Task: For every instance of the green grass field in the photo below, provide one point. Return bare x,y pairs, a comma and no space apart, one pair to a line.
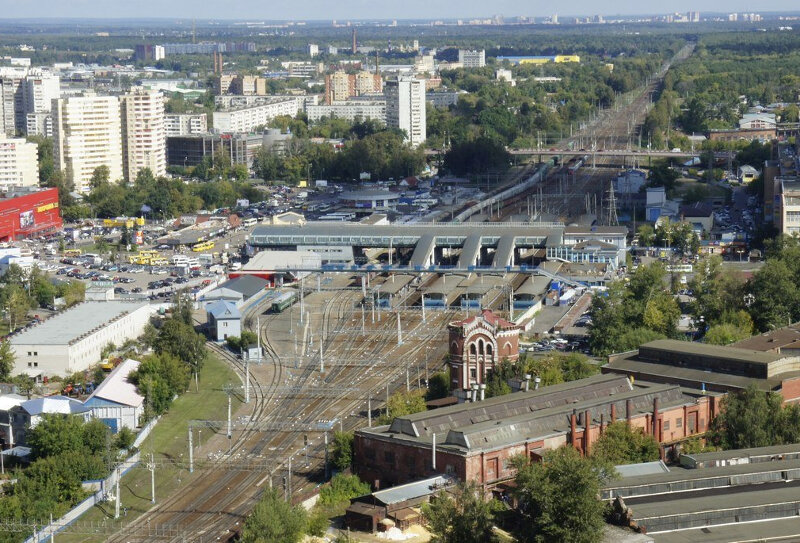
168,441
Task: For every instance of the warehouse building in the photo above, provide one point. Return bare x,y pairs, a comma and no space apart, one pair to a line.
73,340
29,212
745,495
476,441
116,401
710,367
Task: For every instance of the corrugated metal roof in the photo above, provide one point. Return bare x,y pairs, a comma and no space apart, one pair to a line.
54,405
64,327
642,468
117,388
7,401
247,285
410,491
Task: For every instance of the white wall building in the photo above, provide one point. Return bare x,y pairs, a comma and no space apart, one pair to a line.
18,162
39,124
87,133
40,89
312,49
472,58
73,340
405,107
185,124
117,402
350,110
143,136
248,118
12,100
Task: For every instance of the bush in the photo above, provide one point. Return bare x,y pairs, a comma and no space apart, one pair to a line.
341,488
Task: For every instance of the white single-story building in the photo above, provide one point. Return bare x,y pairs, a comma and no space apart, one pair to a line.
224,320
73,340
28,414
116,401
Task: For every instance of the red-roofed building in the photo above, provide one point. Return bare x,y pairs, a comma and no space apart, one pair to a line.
477,344
28,213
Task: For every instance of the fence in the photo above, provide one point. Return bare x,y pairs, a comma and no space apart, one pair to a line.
101,495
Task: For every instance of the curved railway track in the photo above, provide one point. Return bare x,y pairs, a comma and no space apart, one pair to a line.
214,504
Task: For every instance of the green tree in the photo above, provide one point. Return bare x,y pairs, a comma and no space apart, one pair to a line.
461,515
403,403
342,450
100,176
180,340
274,521
621,444
56,434
725,334
6,361
341,488
560,497
632,339
438,386
647,235
753,418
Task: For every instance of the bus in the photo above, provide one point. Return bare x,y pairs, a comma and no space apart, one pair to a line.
283,301
340,217
72,252
203,246
250,221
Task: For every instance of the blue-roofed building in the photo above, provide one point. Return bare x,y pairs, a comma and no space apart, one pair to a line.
224,320
116,401
28,414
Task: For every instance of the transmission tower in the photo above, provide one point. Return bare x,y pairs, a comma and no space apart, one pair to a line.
610,208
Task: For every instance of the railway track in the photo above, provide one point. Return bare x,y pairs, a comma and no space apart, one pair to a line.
214,504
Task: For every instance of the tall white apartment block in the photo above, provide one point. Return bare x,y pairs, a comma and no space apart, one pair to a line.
41,88
185,124
39,124
12,100
405,107
144,140
87,133
312,49
18,162
472,58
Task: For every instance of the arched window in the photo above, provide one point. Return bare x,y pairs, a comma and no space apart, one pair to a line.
489,349
481,348
472,350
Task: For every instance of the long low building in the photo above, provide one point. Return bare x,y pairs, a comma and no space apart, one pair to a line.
476,441
497,246
73,340
710,367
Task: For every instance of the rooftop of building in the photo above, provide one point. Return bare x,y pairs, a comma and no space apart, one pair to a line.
488,316
223,309
755,454
75,322
595,229
788,336
502,421
118,388
697,209
54,405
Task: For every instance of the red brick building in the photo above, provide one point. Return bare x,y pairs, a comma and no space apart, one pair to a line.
476,441
477,344
29,213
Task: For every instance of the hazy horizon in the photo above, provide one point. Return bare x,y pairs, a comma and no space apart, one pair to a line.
312,10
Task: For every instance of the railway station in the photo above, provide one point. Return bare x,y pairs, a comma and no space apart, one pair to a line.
448,247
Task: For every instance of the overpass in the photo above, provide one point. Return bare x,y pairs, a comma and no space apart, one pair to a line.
446,246
606,153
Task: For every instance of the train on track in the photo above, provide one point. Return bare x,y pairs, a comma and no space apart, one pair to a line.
283,301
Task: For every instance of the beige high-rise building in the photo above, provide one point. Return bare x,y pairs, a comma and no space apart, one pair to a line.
405,107
18,162
86,134
144,138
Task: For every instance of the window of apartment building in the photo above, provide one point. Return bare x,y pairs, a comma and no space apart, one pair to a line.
679,422
665,425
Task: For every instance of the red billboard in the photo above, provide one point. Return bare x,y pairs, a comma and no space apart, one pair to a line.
30,215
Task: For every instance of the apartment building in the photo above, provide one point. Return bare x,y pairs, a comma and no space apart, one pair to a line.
471,58
789,212
405,107
143,135
18,162
302,68
185,124
12,100
87,133
247,119
39,124
349,109
248,85
39,91
339,86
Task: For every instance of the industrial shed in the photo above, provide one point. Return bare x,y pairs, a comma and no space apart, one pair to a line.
116,401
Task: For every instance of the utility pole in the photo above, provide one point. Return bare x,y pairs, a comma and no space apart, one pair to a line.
387,400
399,330
289,482
369,411
247,378
191,451
152,479
327,474
321,358
116,501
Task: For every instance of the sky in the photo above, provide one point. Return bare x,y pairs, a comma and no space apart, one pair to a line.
257,10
